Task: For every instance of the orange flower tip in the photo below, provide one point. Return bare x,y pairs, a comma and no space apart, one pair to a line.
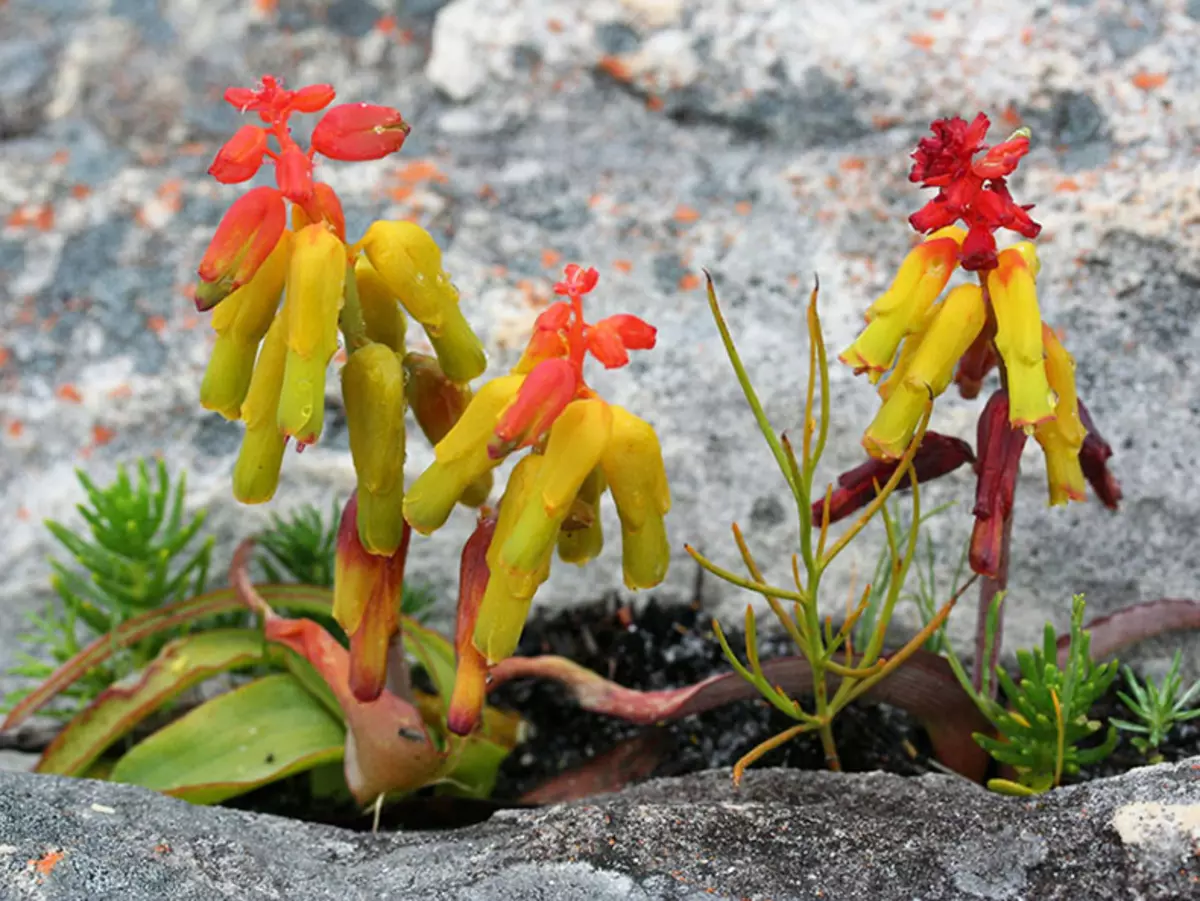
353,132
241,156
293,175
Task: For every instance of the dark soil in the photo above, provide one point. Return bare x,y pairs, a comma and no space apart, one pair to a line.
671,648
656,649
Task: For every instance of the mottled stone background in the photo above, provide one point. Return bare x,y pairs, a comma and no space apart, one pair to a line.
763,140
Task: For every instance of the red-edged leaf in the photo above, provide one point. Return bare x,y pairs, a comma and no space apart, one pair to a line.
181,664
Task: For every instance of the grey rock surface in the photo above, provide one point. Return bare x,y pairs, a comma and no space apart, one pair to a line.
765,141
783,835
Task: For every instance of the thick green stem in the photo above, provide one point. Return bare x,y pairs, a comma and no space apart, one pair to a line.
351,321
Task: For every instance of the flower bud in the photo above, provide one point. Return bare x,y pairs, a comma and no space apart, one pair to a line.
240,157
1061,437
901,309
367,590
359,131
937,456
543,395
577,442
1019,338
373,391
410,263
470,672
316,279
325,202
999,447
506,601
633,467
610,339
256,473
312,98
957,321
460,458
382,314
240,323
1093,457
293,175
245,237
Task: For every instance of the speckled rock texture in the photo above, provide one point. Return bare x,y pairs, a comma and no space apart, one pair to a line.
783,835
763,140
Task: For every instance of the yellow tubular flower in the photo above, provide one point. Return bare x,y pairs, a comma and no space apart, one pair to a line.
240,322
633,466
907,351
1019,337
384,318
576,443
373,390
256,473
410,264
1062,437
901,309
460,458
959,318
316,279
505,604
581,537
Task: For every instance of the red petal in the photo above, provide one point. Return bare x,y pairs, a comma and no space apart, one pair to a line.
359,131
554,317
635,333
577,281
1002,159
240,157
312,98
241,99
1093,459
934,215
606,346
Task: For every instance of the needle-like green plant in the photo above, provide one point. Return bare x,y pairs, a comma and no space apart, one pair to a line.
137,551
1046,715
1158,708
842,672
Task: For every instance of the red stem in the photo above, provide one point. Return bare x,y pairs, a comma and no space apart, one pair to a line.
986,656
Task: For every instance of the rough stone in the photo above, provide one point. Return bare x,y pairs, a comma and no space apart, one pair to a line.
782,835
650,138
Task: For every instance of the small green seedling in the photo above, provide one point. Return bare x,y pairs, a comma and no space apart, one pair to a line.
1157,708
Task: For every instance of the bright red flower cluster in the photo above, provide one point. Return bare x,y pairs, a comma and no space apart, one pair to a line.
971,190
253,225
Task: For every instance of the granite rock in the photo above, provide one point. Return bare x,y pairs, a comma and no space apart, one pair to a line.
782,835
765,141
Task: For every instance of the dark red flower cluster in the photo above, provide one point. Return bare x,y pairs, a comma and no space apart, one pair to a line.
970,190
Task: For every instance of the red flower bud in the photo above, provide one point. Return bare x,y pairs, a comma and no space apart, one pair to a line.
999,446
937,456
240,157
544,394
359,131
312,98
293,175
1093,458
324,201
245,237
470,675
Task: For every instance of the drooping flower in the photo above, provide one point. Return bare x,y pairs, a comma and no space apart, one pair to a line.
998,447
247,234
937,456
256,472
240,158
1019,337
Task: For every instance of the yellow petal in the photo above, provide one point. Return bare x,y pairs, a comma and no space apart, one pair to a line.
373,392
637,480
581,536
256,473
316,280
382,313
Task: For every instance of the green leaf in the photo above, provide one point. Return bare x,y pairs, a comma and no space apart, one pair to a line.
435,654
180,665
303,598
257,734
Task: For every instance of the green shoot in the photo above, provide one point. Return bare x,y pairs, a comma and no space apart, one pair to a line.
1157,708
